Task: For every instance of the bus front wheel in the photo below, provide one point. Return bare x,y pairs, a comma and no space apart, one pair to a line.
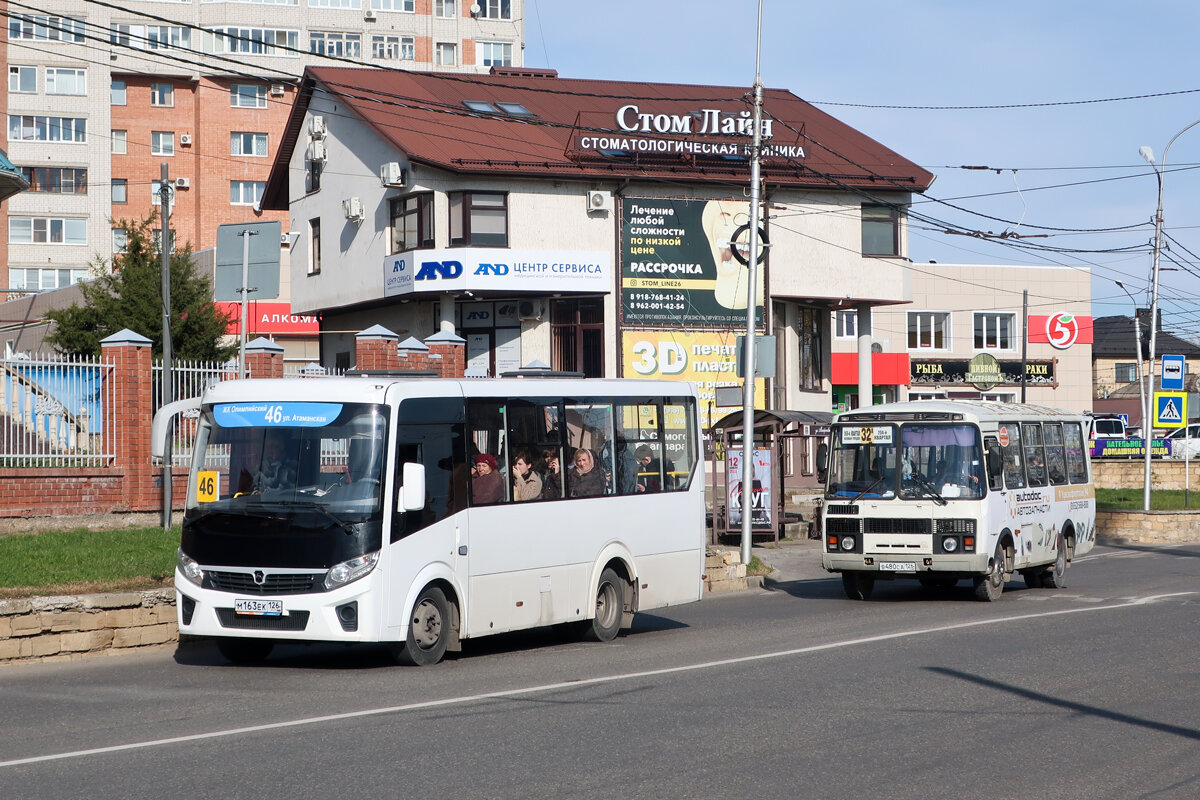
1056,577
990,586
610,607
858,585
428,630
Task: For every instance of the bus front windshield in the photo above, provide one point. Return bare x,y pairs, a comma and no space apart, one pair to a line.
940,462
863,462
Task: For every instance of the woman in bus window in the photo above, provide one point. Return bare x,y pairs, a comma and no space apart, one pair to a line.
527,484
586,480
551,475
486,484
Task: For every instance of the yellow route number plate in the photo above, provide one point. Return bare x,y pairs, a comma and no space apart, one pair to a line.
207,483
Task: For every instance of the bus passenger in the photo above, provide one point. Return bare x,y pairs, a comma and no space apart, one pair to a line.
527,484
486,484
586,480
551,476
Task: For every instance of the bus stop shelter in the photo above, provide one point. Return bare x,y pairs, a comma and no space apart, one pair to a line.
785,442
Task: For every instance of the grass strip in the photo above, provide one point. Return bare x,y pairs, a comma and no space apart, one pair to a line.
83,561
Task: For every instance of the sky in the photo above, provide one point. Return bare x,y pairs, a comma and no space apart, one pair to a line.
1055,97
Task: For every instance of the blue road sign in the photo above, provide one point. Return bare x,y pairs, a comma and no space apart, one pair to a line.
1173,368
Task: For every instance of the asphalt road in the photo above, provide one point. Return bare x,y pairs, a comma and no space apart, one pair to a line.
791,691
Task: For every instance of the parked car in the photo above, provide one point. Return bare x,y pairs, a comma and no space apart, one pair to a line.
1185,440
1106,426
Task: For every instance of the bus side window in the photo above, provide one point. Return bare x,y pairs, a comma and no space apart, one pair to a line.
1035,456
680,454
1056,458
1014,457
1076,462
995,462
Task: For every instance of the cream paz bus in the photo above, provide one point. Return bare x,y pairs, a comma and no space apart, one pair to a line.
388,528
944,491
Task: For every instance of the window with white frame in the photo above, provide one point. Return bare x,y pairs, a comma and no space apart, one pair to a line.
1126,372
446,9
156,192
36,279
120,191
393,48
22,80
256,41
45,28
119,142
445,54
994,331
47,230
158,238
117,93
162,143
165,37
36,128
407,6
332,43
495,54
496,9
928,330
845,324
120,240
246,193
247,144
335,3
62,80
248,95
162,94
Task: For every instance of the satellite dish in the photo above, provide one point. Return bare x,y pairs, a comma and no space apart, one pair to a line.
475,9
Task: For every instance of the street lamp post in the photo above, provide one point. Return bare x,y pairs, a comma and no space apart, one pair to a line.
1137,350
1159,172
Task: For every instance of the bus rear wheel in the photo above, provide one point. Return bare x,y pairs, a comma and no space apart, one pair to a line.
990,586
245,651
610,607
858,585
428,630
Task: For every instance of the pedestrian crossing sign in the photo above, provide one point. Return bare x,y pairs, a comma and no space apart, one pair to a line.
1170,409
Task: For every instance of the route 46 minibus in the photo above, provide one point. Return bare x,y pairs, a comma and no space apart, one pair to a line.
403,510
943,491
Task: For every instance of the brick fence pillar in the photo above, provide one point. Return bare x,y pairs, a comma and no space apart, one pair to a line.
447,354
414,354
130,413
264,358
375,349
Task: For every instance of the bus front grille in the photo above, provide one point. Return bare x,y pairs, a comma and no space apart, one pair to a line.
841,509
896,525
961,526
272,583
295,621
842,526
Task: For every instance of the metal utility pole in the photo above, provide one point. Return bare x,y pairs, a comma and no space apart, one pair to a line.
1137,350
1024,341
245,234
751,307
166,390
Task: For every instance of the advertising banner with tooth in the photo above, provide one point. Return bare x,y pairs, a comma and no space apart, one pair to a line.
677,264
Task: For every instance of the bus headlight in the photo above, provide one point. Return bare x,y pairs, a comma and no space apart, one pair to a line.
847,543
352,570
950,544
188,566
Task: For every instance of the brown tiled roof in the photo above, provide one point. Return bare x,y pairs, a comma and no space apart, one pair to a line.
423,115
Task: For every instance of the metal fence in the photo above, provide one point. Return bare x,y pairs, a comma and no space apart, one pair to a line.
189,379
52,411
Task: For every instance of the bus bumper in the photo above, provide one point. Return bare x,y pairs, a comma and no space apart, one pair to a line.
898,566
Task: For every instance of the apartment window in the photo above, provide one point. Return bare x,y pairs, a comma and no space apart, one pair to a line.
256,41
407,6
1126,373
338,45
446,9
248,95
22,80
577,336
808,333
56,180
335,3
60,80
120,240
994,331
117,93
33,279
411,220
845,324
880,231
119,143
247,144
162,94
496,9
162,143
156,192
479,219
246,193
36,128
927,330
446,54
495,54
393,48
158,238
46,230
119,191
45,28
165,37
315,167
314,246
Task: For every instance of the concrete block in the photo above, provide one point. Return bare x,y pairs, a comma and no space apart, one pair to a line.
122,600
129,617
10,649
61,621
47,645
86,640
10,608
27,625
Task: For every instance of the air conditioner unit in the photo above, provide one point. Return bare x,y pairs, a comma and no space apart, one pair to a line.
316,127
185,139
391,174
352,207
285,239
529,310
369,15
182,183
599,201
318,151
277,90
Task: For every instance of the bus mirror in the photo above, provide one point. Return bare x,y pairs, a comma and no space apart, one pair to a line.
995,459
412,491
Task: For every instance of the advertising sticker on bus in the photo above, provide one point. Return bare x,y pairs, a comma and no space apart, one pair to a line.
1002,436
870,434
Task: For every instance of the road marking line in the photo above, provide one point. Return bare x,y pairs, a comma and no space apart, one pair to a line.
572,684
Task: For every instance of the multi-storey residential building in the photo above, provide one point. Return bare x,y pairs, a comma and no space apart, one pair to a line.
100,95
